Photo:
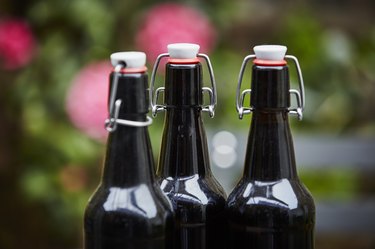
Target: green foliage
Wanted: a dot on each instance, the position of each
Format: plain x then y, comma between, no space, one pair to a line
331,184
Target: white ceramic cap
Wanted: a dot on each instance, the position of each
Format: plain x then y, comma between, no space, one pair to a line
131,59
270,52
183,50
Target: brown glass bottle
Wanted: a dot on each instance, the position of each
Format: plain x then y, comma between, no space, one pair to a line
270,208
128,210
184,169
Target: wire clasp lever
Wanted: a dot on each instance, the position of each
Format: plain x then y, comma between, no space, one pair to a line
154,96
114,107
300,94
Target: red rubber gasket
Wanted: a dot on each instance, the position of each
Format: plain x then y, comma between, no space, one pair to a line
133,70
269,62
183,61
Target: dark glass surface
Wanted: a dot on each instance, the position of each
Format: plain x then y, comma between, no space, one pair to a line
270,208
184,169
128,210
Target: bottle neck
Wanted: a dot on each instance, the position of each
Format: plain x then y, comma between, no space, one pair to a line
129,159
183,85
270,152
184,149
270,87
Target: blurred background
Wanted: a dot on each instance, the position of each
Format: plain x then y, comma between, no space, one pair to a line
54,67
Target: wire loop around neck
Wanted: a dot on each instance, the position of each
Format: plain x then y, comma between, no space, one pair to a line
114,107
299,94
154,94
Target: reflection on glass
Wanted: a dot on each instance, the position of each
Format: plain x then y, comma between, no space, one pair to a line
194,191
279,193
121,198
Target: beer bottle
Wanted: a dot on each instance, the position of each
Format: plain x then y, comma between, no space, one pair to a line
128,210
270,208
184,170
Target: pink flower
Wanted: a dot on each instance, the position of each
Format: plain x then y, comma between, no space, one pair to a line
171,23
86,101
17,43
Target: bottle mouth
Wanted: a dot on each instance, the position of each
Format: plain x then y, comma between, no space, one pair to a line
270,55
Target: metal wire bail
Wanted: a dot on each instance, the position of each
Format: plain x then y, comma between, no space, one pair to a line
114,107
300,95
154,96
211,91
240,97
155,108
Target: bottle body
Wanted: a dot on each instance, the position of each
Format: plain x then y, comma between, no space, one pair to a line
199,212
270,208
128,210
120,218
262,218
184,171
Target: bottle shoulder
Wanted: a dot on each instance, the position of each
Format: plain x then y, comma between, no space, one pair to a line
140,201
193,190
284,194
118,216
